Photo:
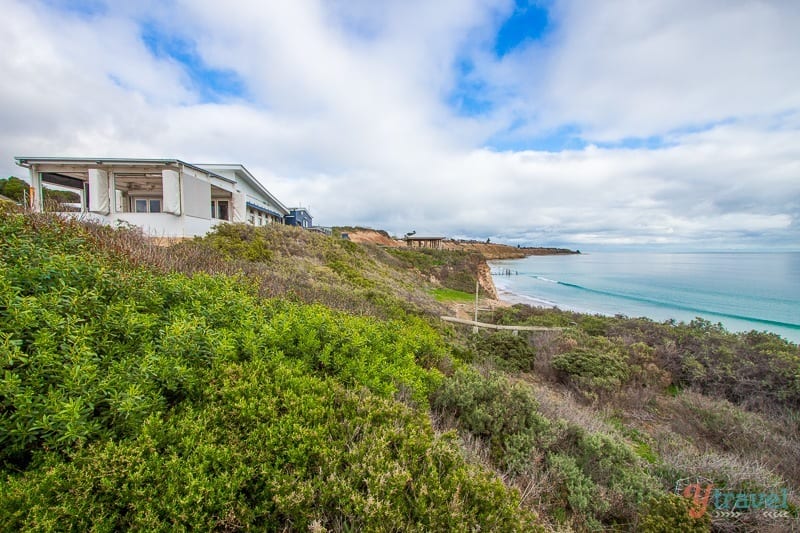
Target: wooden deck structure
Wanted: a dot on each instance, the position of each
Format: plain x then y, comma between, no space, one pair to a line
434,243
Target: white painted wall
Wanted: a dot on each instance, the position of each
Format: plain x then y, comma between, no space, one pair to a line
154,224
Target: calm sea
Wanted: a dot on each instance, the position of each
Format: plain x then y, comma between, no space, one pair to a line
743,291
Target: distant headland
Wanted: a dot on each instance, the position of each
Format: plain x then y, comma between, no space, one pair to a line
487,249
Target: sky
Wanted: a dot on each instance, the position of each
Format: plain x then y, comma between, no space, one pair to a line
671,124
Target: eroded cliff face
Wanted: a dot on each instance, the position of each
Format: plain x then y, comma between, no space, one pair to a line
486,282
458,276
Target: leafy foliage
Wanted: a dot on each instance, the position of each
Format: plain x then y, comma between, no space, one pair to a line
669,513
512,352
130,399
155,388
492,408
13,188
455,269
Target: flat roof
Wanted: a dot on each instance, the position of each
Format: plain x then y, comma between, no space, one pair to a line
26,161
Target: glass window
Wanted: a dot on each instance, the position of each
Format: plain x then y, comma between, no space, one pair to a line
140,205
222,208
155,206
219,209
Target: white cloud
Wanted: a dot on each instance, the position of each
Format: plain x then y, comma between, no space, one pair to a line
622,69
345,110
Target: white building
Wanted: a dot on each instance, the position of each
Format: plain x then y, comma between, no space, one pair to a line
165,197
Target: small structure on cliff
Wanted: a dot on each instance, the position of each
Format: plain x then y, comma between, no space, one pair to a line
434,243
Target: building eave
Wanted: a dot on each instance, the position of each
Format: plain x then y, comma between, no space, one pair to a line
242,171
27,162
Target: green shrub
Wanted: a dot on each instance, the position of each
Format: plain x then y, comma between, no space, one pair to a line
513,352
241,241
600,367
272,447
668,513
136,400
573,487
502,413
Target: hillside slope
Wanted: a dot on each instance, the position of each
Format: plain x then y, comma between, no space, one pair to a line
133,399
276,379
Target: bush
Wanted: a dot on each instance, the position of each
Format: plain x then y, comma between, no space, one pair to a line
136,400
600,367
272,447
670,512
513,352
573,487
502,413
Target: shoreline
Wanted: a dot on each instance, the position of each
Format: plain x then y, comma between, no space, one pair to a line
513,298
731,324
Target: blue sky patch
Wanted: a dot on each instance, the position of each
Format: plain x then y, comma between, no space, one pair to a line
654,142
567,137
469,96
212,84
528,22
87,8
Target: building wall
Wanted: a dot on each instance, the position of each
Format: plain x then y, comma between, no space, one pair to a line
299,217
155,224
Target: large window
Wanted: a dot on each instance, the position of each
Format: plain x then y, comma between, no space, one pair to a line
146,205
219,209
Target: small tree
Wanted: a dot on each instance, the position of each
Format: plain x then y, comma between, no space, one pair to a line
13,188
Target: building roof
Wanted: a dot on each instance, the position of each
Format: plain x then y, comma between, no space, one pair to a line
243,173
27,161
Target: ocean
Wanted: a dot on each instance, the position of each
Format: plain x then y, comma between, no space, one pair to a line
743,291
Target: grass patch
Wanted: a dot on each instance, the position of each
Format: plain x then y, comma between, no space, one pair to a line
452,295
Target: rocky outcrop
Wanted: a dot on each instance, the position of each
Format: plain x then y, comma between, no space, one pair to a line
486,282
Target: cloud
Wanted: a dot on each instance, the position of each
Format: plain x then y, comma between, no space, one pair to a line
362,110
623,69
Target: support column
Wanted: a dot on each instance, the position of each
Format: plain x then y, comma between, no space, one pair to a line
112,193
99,198
170,180
36,203
238,207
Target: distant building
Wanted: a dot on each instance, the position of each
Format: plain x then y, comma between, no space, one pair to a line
164,197
434,243
298,216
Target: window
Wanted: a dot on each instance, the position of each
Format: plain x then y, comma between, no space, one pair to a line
219,209
147,205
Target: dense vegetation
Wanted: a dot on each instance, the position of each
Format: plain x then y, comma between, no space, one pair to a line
131,399
13,188
16,189
277,379
455,269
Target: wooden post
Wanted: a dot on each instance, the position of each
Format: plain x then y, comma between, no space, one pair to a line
477,286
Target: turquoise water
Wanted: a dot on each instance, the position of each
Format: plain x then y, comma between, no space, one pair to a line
743,291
